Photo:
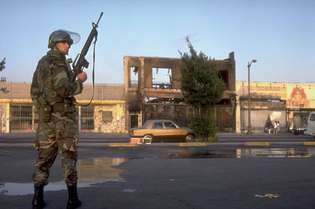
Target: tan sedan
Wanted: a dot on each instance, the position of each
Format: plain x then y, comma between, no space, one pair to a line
162,130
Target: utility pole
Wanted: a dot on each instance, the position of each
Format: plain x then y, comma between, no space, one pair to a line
249,128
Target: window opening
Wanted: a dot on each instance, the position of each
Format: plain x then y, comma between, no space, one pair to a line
162,78
21,117
134,71
224,75
87,117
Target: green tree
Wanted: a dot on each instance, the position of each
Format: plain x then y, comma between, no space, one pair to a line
202,88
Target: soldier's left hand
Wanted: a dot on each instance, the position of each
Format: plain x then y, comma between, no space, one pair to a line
82,77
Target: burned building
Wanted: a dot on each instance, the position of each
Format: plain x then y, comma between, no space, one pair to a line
153,90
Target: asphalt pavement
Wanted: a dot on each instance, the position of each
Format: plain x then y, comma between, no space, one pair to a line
122,140
154,177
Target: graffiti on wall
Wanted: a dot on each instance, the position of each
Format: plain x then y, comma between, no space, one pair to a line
298,98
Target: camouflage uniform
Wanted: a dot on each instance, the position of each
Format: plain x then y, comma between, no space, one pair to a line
52,93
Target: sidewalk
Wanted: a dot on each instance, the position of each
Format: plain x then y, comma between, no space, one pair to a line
87,135
230,134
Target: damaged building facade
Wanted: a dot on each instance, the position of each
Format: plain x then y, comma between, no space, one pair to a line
153,90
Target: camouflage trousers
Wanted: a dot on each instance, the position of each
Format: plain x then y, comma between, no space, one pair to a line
57,135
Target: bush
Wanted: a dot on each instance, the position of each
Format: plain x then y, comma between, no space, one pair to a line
205,129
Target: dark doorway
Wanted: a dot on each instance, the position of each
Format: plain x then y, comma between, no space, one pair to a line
133,121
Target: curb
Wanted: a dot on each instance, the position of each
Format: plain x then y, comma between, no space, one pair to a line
221,144
182,145
309,143
260,144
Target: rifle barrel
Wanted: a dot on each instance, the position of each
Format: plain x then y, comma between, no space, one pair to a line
99,18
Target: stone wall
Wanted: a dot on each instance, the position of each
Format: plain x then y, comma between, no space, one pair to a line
117,125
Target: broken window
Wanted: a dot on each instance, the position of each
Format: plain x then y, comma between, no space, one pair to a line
162,78
134,76
133,120
224,75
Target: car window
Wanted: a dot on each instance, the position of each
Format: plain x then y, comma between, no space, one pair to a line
169,125
157,125
146,124
312,118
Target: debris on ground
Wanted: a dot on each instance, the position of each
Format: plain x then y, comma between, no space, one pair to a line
267,195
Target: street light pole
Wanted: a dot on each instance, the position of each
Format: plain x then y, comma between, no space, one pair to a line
249,128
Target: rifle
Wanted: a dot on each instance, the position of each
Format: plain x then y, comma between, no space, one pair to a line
2,64
80,62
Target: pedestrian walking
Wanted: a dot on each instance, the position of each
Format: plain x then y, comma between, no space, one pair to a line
278,127
269,125
274,124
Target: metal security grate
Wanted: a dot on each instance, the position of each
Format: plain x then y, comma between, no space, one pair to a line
87,118
21,117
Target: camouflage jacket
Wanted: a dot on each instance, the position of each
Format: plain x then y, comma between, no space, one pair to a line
51,82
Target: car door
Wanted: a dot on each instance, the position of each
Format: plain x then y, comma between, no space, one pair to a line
173,132
158,130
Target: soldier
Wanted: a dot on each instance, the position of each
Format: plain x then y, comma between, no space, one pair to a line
52,92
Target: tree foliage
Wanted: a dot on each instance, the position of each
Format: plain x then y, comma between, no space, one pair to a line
202,88
201,84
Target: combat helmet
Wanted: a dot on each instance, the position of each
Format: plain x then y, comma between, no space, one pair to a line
59,36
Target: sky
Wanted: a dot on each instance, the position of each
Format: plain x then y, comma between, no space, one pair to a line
279,34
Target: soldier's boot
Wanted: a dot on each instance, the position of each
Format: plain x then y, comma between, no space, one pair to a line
38,198
73,200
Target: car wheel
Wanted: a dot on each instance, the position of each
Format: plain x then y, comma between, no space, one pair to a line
189,138
147,139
